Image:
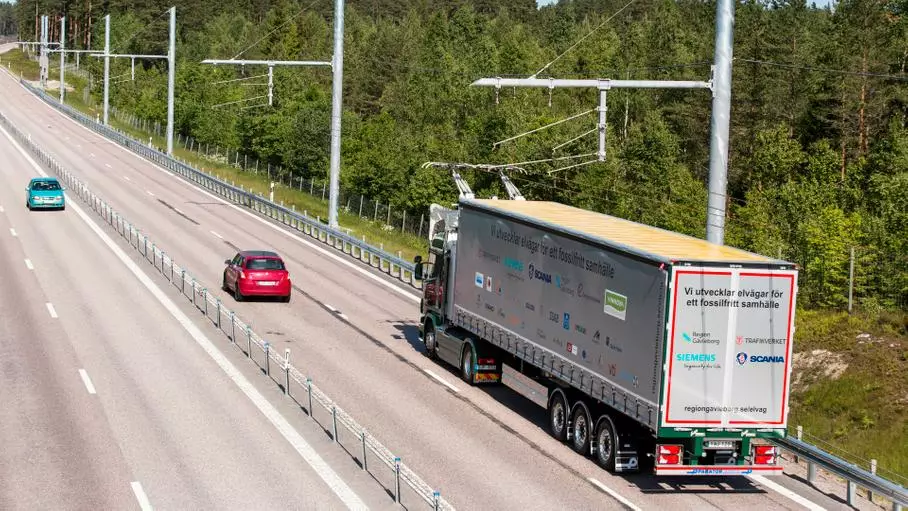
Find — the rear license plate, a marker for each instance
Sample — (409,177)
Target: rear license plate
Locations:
(267,283)
(719,444)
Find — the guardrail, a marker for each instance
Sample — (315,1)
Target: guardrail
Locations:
(277,366)
(350,245)
(853,474)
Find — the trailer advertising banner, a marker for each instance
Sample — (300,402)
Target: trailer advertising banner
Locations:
(729,347)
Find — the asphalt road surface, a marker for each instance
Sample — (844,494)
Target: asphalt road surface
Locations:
(356,336)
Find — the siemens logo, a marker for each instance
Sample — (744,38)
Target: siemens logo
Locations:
(539,275)
(695,357)
(513,264)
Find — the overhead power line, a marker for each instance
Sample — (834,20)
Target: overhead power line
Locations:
(581,39)
(282,25)
(824,70)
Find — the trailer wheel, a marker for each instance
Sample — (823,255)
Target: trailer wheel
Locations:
(605,444)
(558,416)
(581,429)
(431,342)
(466,364)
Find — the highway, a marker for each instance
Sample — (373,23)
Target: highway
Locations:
(108,400)
(353,332)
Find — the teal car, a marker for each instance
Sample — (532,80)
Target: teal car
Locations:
(45,193)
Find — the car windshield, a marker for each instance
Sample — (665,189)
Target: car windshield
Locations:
(45,185)
(265,264)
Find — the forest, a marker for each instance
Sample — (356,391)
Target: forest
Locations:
(818,161)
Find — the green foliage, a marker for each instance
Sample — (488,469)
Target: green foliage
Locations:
(817,161)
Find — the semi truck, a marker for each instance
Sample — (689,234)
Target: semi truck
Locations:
(661,352)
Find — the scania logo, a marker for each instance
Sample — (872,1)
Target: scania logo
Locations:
(539,275)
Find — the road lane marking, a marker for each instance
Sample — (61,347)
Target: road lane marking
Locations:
(13,232)
(342,260)
(216,234)
(108,165)
(785,492)
(87,381)
(615,495)
(144,503)
(440,380)
(29,265)
(330,307)
(127,178)
(178,211)
(149,192)
(51,310)
(343,316)
(2,210)
(319,466)
(92,154)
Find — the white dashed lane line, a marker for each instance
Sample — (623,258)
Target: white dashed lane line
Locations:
(29,265)
(144,503)
(216,234)
(87,381)
(439,379)
(51,310)
(127,178)
(92,154)
(108,165)
(13,232)
(149,192)
(615,495)
(2,210)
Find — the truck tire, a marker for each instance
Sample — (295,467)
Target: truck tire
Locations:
(558,414)
(430,341)
(466,364)
(582,428)
(606,443)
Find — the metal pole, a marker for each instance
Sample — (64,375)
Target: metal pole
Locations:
(337,88)
(171,71)
(270,85)
(719,122)
(850,280)
(62,54)
(106,66)
(603,108)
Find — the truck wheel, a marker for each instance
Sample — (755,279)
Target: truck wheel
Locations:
(431,342)
(605,444)
(466,364)
(582,429)
(558,416)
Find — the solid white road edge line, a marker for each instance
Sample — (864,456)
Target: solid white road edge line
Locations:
(144,503)
(29,265)
(325,472)
(615,495)
(51,310)
(311,245)
(785,492)
(440,380)
(87,381)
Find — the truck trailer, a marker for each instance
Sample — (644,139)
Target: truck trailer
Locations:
(660,351)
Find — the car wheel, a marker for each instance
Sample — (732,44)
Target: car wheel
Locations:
(558,415)
(224,282)
(581,430)
(237,295)
(28,205)
(62,208)
(286,299)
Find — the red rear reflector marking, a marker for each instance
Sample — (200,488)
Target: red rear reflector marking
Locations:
(670,449)
(765,450)
(762,459)
(669,459)
(487,361)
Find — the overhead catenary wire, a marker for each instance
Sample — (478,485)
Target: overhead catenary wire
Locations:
(140,31)
(239,101)
(534,75)
(571,141)
(556,123)
(239,79)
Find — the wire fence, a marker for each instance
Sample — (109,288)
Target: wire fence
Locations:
(277,366)
(390,217)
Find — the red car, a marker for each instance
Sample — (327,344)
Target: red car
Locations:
(257,273)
